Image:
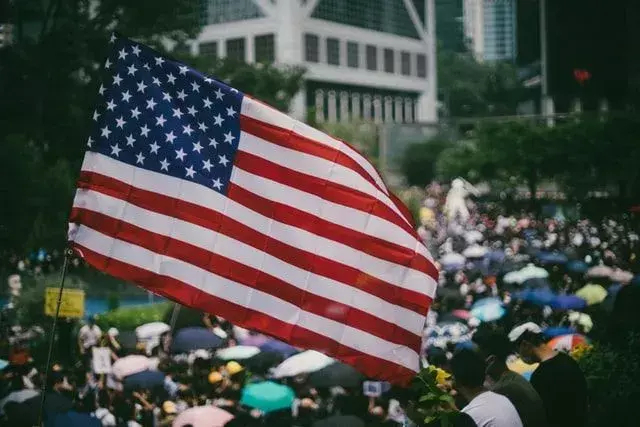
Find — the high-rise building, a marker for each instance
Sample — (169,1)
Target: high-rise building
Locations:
(449,25)
(368,59)
(490,29)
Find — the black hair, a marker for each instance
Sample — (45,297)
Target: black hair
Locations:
(493,342)
(531,337)
(468,368)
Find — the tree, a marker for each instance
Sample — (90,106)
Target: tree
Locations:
(419,160)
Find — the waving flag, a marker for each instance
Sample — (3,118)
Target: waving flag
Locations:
(204,195)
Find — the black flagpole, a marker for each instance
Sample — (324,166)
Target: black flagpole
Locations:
(67,257)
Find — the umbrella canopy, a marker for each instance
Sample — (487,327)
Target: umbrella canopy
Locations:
(600,271)
(194,338)
(302,363)
(203,416)
(486,301)
(567,342)
(336,375)
(18,397)
(536,283)
(568,302)
(552,257)
(475,251)
(130,365)
(496,256)
(144,379)
(489,312)
(74,419)
(255,340)
(557,331)
(452,261)
(577,266)
(542,296)
(239,352)
(621,276)
(151,330)
(3,364)
(526,273)
(473,236)
(280,347)
(263,361)
(267,396)
(461,314)
(340,421)
(447,332)
(592,294)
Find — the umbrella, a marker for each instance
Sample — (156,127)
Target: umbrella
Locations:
(496,256)
(552,257)
(557,331)
(280,347)
(152,330)
(567,342)
(473,236)
(489,311)
(568,302)
(600,271)
(340,421)
(255,340)
(536,283)
(194,338)
(621,276)
(263,361)
(203,416)
(302,363)
(475,251)
(581,319)
(336,375)
(452,261)
(239,352)
(267,396)
(592,294)
(461,314)
(533,272)
(3,364)
(486,301)
(447,332)
(542,296)
(577,266)
(74,419)
(18,397)
(144,379)
(130,365)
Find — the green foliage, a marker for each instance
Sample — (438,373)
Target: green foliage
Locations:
(129,318)
(613,377)
(113,301)
(363,136)
(434,404)
(419,161)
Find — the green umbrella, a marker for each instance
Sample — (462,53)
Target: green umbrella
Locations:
(267,396)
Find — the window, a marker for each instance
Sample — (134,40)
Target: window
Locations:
(405,63)
(220,11)
(353,60)
(333,51)
(389,59)
(265,48)
(235,49)
(311,51)
(421,60)
(372,58)
(209,49)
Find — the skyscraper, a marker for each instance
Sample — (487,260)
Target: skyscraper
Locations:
(490,29)
(449,25)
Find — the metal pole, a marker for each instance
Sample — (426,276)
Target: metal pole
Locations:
(63,274)
(544,89)
(174,316)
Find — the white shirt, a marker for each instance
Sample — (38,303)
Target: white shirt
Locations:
(490,409)
(89,335)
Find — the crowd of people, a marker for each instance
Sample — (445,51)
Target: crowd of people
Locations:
(517,294)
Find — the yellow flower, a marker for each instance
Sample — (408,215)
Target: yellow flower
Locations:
(442,376)
(580,350)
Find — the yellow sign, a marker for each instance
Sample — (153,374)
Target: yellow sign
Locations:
(72,302)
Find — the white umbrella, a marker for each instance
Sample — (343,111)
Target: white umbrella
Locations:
(18,397)
(473,236)
(302,363)
(452,258)
(130,365)
(528,272)
(475,251)
(239,352)
(151,330)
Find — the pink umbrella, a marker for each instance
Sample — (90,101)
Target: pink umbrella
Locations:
(130,365)
(567,342)
(203,416)
(462,314)
(255,340)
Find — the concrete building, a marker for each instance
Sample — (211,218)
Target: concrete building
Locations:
(490,29)
(365,59)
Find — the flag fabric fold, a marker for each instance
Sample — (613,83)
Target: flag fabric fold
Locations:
(199,193)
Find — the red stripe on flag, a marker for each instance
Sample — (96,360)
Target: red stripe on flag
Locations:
(215,221)
(246,275)
(176,290)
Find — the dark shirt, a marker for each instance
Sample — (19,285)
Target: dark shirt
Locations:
(563,389)
(524,397)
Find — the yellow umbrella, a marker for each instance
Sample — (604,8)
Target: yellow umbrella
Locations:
(519,367)
(592,294)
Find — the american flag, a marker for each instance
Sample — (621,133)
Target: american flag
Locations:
(204,195)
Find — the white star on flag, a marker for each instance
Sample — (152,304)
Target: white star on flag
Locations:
(105,132)
(130,140)
(223,160)
(131,70)
(190,172)
(180,154)
(142,86)
(144,131)
(164,165)
(160,120)
(207,165)
(135,113)
(228,137)
(126,96)
(140,158)
(218,120)
(120,122)
(154,147)
(197,147)
(115,150)
(217,184)
(170,137)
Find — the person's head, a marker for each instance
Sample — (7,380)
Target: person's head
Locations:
(528,341)
(169,408)
(468,369)
(91,320)
(494,346)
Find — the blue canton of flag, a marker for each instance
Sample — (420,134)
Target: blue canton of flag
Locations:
(166,117)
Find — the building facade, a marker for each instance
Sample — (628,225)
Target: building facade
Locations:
(490,29)
(365,59)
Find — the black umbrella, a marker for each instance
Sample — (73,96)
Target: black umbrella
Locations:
(194,338)
(336,375)
(340,421)
(144,379)
(262,362)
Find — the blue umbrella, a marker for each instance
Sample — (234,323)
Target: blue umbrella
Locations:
(486,301)
(267,396)
(552,257)
(488,312)
(536,283)
(543,296)
(144,379)
(496,256)
(74,419)
(195,338)
(557,331)
(276,346)
(568,302)
(577,266)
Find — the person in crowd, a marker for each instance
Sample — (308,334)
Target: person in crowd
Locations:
(88,337)
(495,348)
(488,409)
(558,379)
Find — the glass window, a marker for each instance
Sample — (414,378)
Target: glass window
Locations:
(389,60)
(311,51)
(265,48)
(209,49)
(235,49)
(353,58)
(333,51)
(421,62)
(405,63)
(372,57)
(220,11)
